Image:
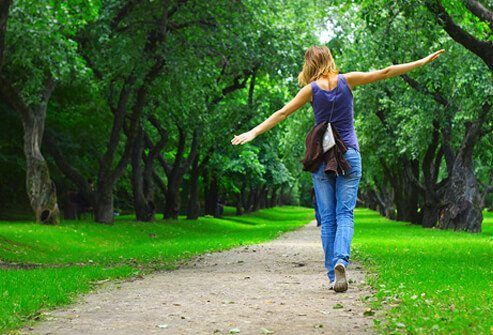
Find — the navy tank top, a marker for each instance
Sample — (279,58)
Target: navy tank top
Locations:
(342,116)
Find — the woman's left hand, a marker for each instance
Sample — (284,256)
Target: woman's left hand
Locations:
(243,138)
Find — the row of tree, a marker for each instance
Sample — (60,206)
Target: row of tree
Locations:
(427,136)
(139,100)
(133,104)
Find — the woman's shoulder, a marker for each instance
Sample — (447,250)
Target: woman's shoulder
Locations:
(344,81)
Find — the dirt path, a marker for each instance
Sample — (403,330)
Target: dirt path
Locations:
(277,287)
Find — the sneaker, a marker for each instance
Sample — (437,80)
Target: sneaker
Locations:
(340,284)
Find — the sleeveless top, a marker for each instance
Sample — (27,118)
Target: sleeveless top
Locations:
(343,114)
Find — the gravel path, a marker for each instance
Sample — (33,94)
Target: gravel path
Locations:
(277,287)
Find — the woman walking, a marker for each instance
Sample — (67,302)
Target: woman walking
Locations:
(330,95)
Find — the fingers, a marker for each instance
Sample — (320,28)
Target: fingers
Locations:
(239,139)
(439,52)
(435,55)
(242,139)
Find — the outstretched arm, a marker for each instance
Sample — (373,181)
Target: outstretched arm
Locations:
(362,78)
(298,101)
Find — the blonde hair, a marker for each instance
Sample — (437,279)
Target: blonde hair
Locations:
(318,62)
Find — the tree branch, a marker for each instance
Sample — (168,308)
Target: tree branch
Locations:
(4,14)
(236,85)
(13,98)
(65,167)
(480,11)
(194,148)
(422,89)
(160,183)
(482,49)
(123,13)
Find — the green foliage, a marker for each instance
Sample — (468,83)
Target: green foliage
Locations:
(39,42)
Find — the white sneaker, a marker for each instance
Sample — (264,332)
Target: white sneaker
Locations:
(331,285)
(340,284)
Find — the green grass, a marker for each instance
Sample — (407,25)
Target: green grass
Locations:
(431,281)
(122,250)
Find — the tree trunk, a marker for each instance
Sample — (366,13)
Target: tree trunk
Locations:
(141,204)
(430,212)
(239,207)
(263,197)
(382,202)
(40,188)
(4,14)
(461,209)
(405,193)
(212,197)
(103,203)
(172,207)
(250,200)
(273,197)
(176,172)
(193,210)
(461,206)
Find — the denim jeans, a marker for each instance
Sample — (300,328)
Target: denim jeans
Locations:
(317,214)
(336,199)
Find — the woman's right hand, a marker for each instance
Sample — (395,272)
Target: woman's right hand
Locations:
(432,57)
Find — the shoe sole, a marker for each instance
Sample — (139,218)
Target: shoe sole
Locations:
(340,284)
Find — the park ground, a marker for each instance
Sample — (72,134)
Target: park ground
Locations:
(423,281)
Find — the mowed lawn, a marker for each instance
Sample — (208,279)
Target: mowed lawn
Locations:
(432,281)
(84,253)
(429,281)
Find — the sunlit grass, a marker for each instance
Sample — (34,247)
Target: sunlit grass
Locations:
(430,281)
(436,282)
(102,252)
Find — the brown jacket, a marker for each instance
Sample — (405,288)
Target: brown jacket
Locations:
(333,158)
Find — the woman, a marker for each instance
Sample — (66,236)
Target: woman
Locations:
(330,95)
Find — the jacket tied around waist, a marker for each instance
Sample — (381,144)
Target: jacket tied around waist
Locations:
(335,163)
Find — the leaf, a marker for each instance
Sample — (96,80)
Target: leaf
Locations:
(338,306)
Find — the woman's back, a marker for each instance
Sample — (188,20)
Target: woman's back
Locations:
(342,117)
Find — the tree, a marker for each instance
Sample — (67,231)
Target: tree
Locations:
(30,66)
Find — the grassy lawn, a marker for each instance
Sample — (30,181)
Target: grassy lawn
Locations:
(433,281)
(429,281)
(91,252)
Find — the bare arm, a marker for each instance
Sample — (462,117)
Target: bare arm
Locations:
(362,78)
(298,101)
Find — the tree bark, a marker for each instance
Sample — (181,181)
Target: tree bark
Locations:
(239,202)
(129,107)
(273,196)
(143,210)
(176,172)
(40,188)
(103,198)
(482,49)
(461,206)
(193,210)
(212,196)
(4,14)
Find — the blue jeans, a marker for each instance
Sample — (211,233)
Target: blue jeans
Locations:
(336,199)
(317,214)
